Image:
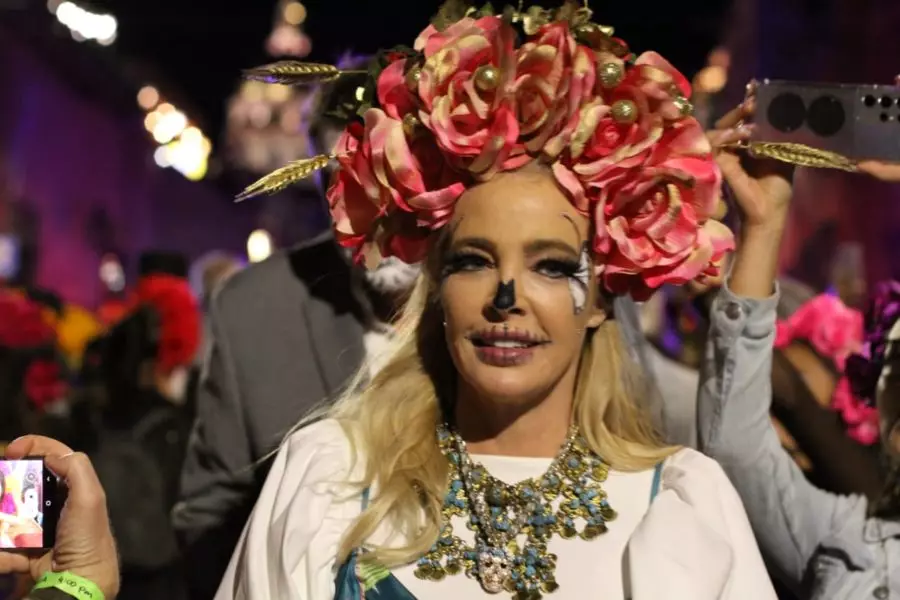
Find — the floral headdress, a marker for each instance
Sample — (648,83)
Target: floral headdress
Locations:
(481,93)
(864,369)
(179,318)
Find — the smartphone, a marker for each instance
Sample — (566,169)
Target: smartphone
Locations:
(856,121)
(30,503)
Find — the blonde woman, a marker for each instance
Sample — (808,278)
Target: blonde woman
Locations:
(501,449)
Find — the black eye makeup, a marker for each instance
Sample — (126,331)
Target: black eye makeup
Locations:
(463,261)
(557,268)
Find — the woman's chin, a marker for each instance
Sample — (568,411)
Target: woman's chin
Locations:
(506,385)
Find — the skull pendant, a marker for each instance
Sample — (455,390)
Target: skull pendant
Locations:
(493,570)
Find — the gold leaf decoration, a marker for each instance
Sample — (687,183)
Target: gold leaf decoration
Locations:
(292,72)
(801,155)
(285,176)
(449,13)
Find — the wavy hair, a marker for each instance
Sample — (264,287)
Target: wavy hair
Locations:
(393,417)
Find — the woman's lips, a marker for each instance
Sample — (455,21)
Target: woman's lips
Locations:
(506,347)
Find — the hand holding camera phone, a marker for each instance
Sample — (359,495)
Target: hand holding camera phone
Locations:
(860,122)
(71,533)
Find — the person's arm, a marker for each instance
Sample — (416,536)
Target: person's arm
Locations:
(218,480)
(789,516)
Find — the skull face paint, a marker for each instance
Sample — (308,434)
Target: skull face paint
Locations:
(579,282)
(505,298)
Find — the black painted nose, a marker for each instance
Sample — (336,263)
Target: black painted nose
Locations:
(505,298)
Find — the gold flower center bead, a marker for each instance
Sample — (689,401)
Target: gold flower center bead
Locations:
(487,78)
(624,111)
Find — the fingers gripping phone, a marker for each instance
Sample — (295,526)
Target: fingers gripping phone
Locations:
(31,498)
(856,121)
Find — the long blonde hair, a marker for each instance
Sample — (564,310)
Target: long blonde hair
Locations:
(391,422)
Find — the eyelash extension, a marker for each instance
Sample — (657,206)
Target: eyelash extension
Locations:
(565,268)
(463,261)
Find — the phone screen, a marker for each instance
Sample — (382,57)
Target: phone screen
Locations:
(29,508)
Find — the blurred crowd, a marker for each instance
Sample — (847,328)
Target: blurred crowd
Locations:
(118,383)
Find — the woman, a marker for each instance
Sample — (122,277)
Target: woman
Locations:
(827,546)
(501,447)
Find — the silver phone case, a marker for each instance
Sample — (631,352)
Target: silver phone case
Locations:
(871,117)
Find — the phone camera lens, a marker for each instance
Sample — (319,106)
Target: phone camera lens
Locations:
(885,117)
(869,101)
(786,112)
(887,101)
(826,116)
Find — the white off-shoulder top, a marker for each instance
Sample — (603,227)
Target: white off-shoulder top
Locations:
(692,543)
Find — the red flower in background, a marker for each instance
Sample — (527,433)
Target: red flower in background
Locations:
(22,323)
(44,383)
(179,316)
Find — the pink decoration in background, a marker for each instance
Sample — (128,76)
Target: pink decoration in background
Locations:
(835,331)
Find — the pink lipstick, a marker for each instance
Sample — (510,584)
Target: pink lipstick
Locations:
(506,347)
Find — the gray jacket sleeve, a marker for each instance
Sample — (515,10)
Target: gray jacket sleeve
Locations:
(217,477)
(790,516)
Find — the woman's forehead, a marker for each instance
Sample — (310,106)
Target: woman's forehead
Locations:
(521,208)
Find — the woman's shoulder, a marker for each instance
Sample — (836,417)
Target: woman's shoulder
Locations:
(317,453)
(690,469)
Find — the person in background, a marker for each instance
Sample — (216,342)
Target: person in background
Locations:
(823,545)
(285,335)
(138,371)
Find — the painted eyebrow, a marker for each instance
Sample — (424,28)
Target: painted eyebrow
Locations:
(574,226)
(532,247)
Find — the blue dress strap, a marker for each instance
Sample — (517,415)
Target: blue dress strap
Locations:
(654,487)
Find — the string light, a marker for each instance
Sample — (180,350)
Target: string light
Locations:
(85,25)
(294,13)
(148,97)
(259,246)
(182,146)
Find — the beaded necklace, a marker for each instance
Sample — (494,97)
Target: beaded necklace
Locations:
(514,523)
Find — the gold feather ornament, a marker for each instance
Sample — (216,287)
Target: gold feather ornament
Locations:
(292,72)
(285,176)
(800,155)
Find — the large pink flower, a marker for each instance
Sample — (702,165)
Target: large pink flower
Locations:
(354,197)
(651,212)
(554,77)
(834,329)
(470,113)
(382,173)
(394,94)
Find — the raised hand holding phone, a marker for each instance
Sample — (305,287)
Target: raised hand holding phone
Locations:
(84,544)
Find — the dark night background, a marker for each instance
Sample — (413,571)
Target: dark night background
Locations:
(198,46)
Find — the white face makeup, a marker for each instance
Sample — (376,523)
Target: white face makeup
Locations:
(392,276)
(579,282)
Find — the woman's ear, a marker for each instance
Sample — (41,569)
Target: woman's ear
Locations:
(600,312)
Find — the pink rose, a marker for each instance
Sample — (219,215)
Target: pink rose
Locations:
(861,419)
(834,329)
(394,95)
(651,212)
(354,197)
(382,173)
(554,77)
(653,82)
(464,93)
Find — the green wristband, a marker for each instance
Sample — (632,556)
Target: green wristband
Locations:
(73,585)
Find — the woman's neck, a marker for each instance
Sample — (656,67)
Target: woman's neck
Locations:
(528,430)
